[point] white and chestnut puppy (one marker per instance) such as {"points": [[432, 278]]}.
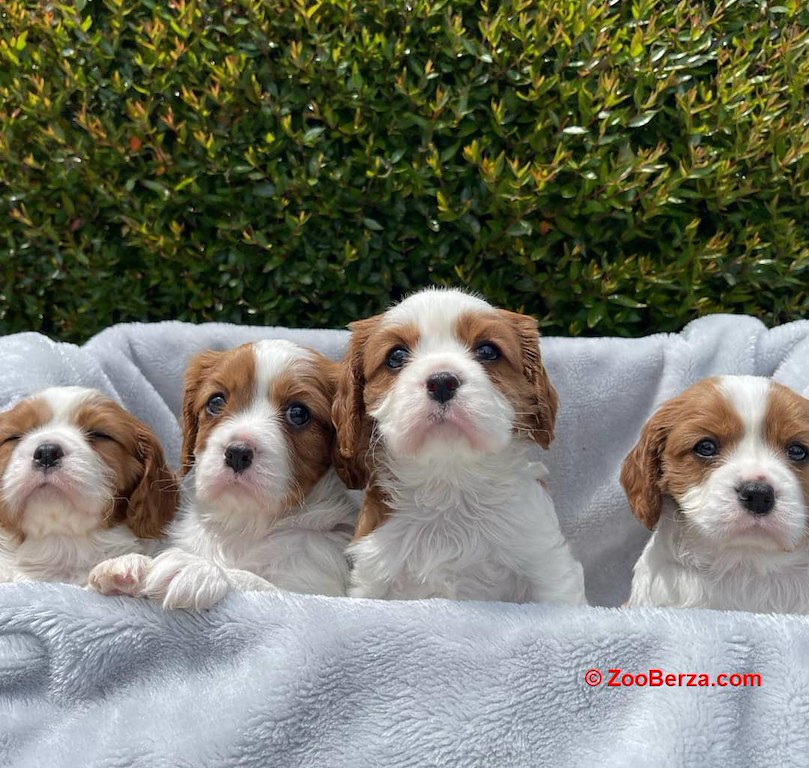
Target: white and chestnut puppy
{"points": [[441, 400], [82, 480], [263, 506], [721, 475]]}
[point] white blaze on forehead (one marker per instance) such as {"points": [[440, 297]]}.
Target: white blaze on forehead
{"points": [[275, 357], [63, 401], [750, 398], [435, 312], [434, 308]]}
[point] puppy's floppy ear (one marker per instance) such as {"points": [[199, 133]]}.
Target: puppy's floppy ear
{"points": [[330, 373], [153, 501], [373, 512], [641, 471], [352, 423], [196, 373], [544, 400], [9, 521]]}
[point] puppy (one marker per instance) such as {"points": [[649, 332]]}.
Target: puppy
{"points": [[82, 480], [262, 505], [440, 402], [720, 474]]}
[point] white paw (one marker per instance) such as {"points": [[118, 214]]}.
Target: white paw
{"points": [[122, 575], [181, 580]]}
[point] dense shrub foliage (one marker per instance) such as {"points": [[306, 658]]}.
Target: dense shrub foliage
{"points": [[612, 167]]}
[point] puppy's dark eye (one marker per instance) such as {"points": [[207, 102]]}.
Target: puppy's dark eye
{"points": [[797, 452], [487, 352], [298, 415], [11, 439], [706, 449], [216, 404], [397, 357]]}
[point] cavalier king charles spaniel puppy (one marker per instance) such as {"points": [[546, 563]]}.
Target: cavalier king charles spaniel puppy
{"points": [[441, 400], [721, 475], [81, 480], [263, 506]]}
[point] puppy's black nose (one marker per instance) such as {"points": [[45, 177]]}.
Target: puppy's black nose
{"points": [[758, 498], [442, 386], [238, 457], [48, 455]]}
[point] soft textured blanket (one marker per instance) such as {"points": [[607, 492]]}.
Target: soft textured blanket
{"points": [[266, 680]]}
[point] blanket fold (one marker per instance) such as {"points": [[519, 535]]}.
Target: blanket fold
{"points": [[274, 679]]}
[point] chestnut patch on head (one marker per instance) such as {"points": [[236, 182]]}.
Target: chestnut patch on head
{"points": [[507, 346], [383, 359], [664, 462], [113, 435], [302, 397], [230, 374], [364, 378], [706, 413], [145, 490], [786, 426], [15, 423]]}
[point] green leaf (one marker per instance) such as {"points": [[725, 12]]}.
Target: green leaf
{"points": [[156, 186], [519, 229], [644, 118], [312, 134], [267, 189]]}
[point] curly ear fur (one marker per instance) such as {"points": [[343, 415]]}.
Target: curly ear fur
{"points": [[153, 501], [373, 512], [352, 423], [641, 470], [544, 400], [195, 374]]}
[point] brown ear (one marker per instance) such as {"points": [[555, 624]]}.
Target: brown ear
{"points": [[352, 423], [195, 374], [544, 400], [9, 520], [332, 373], [373, 512], [154, 500], [641, 471]]}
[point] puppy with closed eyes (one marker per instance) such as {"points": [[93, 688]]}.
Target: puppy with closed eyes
{"points": [[440, 402], [263, 506], [721, 476], [81, 480]]}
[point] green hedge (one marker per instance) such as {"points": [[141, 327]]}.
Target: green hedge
{"points": [[613, 168]]}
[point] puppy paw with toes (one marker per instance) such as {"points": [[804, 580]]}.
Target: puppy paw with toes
{"points": [[120, 575]]}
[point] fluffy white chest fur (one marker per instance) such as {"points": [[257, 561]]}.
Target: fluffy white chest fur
{"points": [[303, 552], [485, 530], [677, 569], [66, 558]]}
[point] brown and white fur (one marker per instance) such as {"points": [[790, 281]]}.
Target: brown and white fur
{"points": [[721, 475], [441, 400], [263, 506], [81, 480]]}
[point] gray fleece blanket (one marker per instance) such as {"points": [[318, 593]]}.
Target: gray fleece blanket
{"points": [[286, 680]]}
